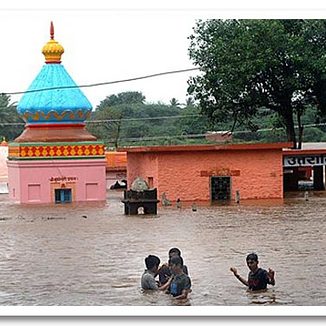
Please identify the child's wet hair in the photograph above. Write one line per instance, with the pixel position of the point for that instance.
(176, 260)
(252, 256)
(175, 250)
(152, 261)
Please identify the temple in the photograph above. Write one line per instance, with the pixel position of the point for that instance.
(55, 159)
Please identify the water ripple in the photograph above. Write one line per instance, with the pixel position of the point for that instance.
(92, 254)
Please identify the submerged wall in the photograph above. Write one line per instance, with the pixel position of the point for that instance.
(36, 181)
(255, 171)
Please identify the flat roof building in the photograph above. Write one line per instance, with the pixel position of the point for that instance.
(210, 172)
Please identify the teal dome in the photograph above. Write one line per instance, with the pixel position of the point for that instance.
(57, 104)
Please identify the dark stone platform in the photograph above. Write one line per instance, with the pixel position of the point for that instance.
(146, 199)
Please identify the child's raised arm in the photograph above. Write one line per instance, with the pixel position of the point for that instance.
(271, 276)
(241, 279)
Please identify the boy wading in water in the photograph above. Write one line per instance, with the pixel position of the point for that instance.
(180, 284)
(258, 278)
(148, 278)
(165, 271)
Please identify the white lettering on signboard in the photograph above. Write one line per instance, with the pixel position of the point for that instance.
(300, 160)
(62, 179)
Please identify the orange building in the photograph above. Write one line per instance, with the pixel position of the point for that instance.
(210, 172)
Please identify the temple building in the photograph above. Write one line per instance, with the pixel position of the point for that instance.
(227, 172)
(55, 159)
(209, 173)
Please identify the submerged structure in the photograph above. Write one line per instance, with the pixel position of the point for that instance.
(55, 159)
(140, 199)
(219, 173)
(209, 173)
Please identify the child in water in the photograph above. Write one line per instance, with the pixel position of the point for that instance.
(180, 284)
(165, 271)
(258, 278)
(148, 278)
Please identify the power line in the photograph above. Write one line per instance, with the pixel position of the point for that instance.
(185, 135)
(173, 117)
(117, 120)
(163, 137)
(134, 139)
(101, 84)
(147, 118)
(12, 123)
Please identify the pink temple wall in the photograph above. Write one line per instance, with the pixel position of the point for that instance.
(35, 181)
(257, 174)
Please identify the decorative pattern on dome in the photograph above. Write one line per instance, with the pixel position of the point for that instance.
(52, 50)
(56, 104)
(66, 116)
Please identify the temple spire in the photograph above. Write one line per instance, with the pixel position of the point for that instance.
(52, 31)
(52, 50)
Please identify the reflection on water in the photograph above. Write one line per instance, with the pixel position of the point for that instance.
(94, 255)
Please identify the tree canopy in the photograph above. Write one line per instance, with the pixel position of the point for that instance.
(122, 98)
(127, 122)
(11, 125)
(246, 65)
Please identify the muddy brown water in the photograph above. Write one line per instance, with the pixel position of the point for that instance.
(92, 254)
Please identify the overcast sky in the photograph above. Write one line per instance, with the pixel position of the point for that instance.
(100, 46)
(123, 39)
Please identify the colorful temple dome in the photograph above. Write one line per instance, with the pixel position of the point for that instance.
(62, 101)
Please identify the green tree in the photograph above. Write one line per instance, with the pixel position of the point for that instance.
(122, 98)
(190, 101)
(107, 125)
(193, 122)
(174, 102)
(110, 113)
(11, 125)
(125, 122)
(249, 64)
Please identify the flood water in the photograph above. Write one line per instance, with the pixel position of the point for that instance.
(92, 254)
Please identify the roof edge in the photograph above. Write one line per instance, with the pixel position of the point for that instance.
(211, 147)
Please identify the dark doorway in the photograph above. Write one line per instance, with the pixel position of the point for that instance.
(220, 188)
(62, 196)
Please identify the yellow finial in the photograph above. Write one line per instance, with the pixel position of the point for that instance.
(52, 50)
(4, 143)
